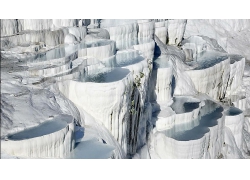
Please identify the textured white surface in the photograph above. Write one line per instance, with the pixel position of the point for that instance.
(54, 145)
(232, 34)
(113, 109)
(8, 27)
(139, 88)
(202, 141)
(147, 49)
(125, 36)
(176, 29)
(212, 80)
(146, 31)
(234, 120)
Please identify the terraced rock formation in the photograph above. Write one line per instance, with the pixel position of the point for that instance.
(123, 89)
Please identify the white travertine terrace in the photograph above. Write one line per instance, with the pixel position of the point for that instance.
(147, 49)
(161, 31)
(125, 36)
(179, 121)
(8, 27)
(176, 29)
(240, 102)
(115, 106)
(202, 141)
(146, 31)
(48, 144)
(212, 80)
(78, 88)
(234, 120)
(161, 81)
(50, 38)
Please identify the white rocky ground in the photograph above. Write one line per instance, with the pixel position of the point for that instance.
(125, 89)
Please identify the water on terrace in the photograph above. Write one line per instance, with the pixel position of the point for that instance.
(126, 59)
(45, 128)
(116, 73)
(208, 59)
(207, 120)
(112, 75)
(66, 50)
(184, 104)
(232, 111)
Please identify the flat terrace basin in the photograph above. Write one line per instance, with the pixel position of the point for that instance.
(106, 77)
(206, 121)
(65, 50)
(232, 111)
(96, 44)
(209, 60)
(48, 127)
(129, 61)
(184, 104)
(62, 51)
(161, 62)
(234, 58)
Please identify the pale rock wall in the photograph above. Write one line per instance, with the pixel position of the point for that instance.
(176, 29)
(126, 56)
(118, 105)
(212, 80)
(65, 22)
(146, 31)
(105, 23)
(208, 146)
(144, 128)
(230, 148)
(161, 31)
(8, 27)
(102, 52)
(184, 84)
(147, 49)
(168, 148)
(161, 84)
(78, 32)
(100, 101)
(234, 120)
(241, 104)
(99, 52)
(125, 36)
(235, 79)
(35, 24)
(50, 38)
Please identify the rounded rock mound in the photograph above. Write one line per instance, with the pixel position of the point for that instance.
(70, 39)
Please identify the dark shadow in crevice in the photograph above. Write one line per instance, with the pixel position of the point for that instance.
(173, 85)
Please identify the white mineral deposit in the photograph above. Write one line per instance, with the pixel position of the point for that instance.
(125, 89)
